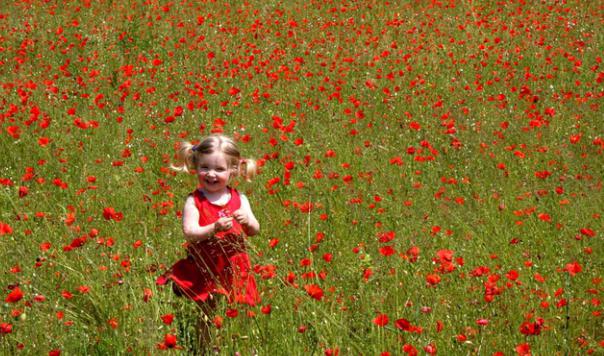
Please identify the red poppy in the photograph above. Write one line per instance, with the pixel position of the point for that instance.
(512, 275)
(482, 322)
(410, 350)
(23, 191)
(413, 253)
(147, 294)
(444, 255)
(523, 349)
(461, 337)
(531, 328)
(386, 236)
(113, 323)
(430, 349)
(433, 279)
(6, 328)
(587, 232)
(314, 291)
(109, 213)
(14, 296)
(266, 309)
(232, 313)
(367, 273)
(218, 321)
(167, 319)
(332, 352)
(170, 340)
(387, 250)
(381, 320)
(573, 268)
(5, 229)
(403, 324)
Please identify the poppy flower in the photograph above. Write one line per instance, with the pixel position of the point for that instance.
(167, 319)
(413, 253)
(266, 309)
(430, 349)
(386, 236)
(14, 296)
(147, 294)
(232, 313)
(531, 328)
(482, 322)
(332, 352)
(573, 268)
(410, 350)
(403, 324)
(23, 191)
(381, 320)
(512, 275)
(170, 340)
(113, 323)
(6, 328)
(5, 229)
(587, 232)
(367, 273)
(523, 349)
(387, 250)
(109, 213)
(433, 279)
(314, 291)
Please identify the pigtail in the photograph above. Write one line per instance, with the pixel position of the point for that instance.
(247, 169)
(186, 156)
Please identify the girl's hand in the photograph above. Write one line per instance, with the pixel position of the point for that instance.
(223, 224)
(241, 217)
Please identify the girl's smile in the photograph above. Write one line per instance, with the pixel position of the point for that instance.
(213, 172)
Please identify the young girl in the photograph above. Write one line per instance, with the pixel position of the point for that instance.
(216, 219)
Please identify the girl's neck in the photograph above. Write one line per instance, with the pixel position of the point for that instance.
(218, 198)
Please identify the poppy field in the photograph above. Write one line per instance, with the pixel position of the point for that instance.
(430, 174)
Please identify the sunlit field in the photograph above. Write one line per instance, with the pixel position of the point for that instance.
(430, 174)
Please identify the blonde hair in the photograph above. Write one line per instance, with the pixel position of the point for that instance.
(190, 154)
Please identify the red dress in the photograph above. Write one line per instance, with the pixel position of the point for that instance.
(219, 264)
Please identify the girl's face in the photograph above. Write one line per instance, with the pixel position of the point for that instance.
(213, 172)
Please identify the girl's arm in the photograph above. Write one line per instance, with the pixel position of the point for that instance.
(246, 217)
(190, 223)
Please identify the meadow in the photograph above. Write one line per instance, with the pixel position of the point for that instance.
(430, 174)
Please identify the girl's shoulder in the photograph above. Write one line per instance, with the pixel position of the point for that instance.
(243, 197)
(244, 202)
